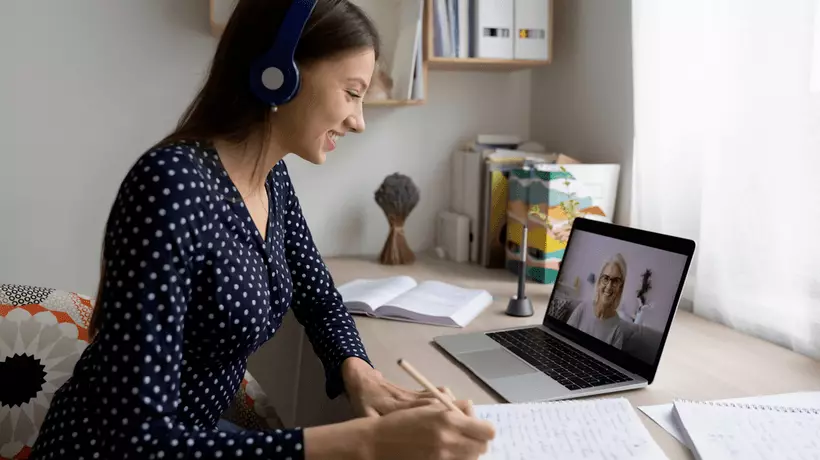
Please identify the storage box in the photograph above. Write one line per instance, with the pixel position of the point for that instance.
(493, 213)
(548, 198)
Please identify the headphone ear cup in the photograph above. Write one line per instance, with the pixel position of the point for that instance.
(273, 81)
(274, 77)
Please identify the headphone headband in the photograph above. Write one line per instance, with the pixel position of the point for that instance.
(274, 77)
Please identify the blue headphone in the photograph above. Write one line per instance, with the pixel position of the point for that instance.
(274, 76)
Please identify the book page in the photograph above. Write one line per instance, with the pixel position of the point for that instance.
(374, 292)
(595, 429)
(436, 299)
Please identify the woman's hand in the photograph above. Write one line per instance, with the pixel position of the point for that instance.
(430, 432)
(372, 395)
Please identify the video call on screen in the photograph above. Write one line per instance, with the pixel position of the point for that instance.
(618, 292)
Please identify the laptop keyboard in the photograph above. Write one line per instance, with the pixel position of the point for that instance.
(562, 362)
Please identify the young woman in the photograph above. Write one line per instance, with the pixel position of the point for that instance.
(206, 249)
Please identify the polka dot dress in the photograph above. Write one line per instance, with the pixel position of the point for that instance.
(191, 289)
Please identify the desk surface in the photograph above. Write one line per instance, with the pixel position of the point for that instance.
(701, 360)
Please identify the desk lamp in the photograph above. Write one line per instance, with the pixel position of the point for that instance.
(519, 304)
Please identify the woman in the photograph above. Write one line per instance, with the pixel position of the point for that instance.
(600, 318)
(205, 250)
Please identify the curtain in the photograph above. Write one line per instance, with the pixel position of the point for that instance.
(727, 152)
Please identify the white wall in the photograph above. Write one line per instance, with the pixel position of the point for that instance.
(87, 85)
(582, 102)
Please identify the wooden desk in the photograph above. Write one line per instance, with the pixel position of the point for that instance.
(701, 360)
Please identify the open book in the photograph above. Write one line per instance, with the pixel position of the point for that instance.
(402, 298)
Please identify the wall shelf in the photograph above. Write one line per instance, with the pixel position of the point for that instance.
(218, 12)
(474, 63)
(441, 63)
(393, 103)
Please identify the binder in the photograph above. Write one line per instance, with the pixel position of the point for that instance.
(453, 236)
(465, 194)
(404, 58)
(492, 29)
(452, 14)
(463, 11)
(532, 21)
(442, 45)
(418, 75)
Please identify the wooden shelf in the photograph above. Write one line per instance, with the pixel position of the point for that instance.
(393, 103)
(218, 12)
(440, 63)
(217, 29)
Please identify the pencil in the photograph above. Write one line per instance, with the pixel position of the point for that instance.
(427, 385)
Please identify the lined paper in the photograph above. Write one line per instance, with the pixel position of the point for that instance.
(597, 429)
(724, 431)
(662, 413)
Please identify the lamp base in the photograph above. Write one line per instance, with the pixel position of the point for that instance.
(520, 307)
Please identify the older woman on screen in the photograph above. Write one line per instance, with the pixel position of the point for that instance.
(600, 318)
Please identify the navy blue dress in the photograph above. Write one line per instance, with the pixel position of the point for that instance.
(191, 290)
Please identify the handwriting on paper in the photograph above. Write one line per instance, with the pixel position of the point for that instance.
(599, 429)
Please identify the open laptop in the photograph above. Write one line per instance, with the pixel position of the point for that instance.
(597, 335)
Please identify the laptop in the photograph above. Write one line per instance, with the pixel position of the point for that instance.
(606, 322)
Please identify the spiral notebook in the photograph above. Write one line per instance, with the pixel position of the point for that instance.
(591, 429)
(729, 431)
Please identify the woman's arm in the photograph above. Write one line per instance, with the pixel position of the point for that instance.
(317, 303)
(154, 229)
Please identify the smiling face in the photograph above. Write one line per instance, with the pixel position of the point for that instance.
(610, 285)
(327, 107)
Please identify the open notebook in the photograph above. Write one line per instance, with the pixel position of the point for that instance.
(403, 298)
(736, 431)
(663, 414)
(591, 429)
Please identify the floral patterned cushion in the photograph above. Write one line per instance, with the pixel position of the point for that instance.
(43, 333)
(251, 409)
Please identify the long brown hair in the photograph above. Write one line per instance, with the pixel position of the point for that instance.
(225, 108)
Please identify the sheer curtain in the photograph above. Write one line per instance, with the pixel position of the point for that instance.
(727, 152)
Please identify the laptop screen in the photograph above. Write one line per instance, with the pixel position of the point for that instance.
(618, 292)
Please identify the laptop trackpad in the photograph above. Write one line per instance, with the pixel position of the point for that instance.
(496, 363)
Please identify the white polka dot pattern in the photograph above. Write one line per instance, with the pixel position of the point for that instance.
(191, 290)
